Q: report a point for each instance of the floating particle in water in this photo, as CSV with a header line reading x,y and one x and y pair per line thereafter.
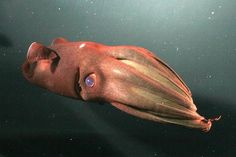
x,y
209,76
212,13
99,147
53,115
59,9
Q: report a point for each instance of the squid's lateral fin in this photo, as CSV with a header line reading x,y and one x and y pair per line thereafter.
x,y
155,75
59,40
170,70
136,54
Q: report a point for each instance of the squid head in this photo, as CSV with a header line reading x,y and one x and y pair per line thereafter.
x,y
131,78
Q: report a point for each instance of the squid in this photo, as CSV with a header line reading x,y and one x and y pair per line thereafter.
x,y
130,78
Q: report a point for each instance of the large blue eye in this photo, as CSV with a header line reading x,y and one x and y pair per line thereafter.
x,y
89,81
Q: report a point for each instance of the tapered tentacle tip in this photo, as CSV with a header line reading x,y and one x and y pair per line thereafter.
x,y
208,123
215,119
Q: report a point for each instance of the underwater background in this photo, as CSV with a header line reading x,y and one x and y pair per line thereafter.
x,y
196,38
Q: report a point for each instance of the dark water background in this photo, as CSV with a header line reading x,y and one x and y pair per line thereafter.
x,y
197,38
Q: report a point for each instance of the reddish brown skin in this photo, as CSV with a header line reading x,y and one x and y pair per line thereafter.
x,y
63,67
73,61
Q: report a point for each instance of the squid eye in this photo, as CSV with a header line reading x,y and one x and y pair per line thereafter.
x,y
90,80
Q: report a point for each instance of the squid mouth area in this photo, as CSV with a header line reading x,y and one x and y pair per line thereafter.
x,y
46,56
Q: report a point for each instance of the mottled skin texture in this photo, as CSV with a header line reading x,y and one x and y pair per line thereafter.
x,y
130,78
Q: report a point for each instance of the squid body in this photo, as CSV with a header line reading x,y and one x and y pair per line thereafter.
x,y
131,78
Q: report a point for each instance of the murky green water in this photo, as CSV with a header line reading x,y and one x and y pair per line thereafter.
x,y
196,38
